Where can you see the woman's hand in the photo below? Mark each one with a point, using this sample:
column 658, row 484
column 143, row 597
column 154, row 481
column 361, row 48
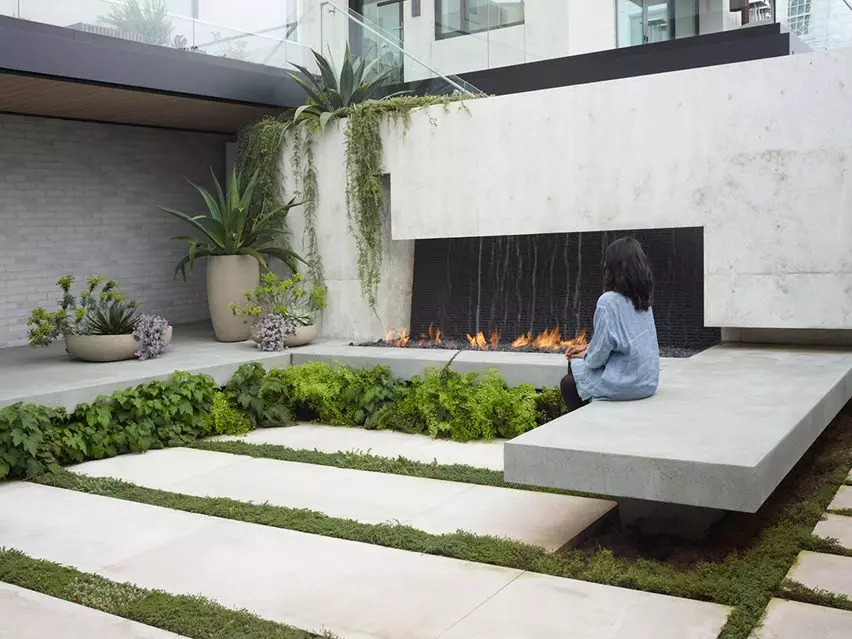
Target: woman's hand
column 576, row 351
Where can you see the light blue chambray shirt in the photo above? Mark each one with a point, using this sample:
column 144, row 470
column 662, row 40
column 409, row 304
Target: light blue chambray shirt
column 622, row 361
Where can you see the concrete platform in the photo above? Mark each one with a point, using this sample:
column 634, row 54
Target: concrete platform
column 25, row 614
column 355, row 590
column 823, row 572
column 380, row 443
column 835, row 527
column 794, row 620
column 47, row 376
column 724, row 429
column 439, row 507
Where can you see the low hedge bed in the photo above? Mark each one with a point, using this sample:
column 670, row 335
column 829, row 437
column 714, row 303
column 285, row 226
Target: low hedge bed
column 185, row 408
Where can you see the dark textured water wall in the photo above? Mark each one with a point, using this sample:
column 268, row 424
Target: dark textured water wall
column 522, row 283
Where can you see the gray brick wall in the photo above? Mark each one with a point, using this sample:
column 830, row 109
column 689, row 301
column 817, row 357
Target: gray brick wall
column 78, row 197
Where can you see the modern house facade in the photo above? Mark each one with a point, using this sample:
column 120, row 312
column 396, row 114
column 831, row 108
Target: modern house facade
column 708, row 132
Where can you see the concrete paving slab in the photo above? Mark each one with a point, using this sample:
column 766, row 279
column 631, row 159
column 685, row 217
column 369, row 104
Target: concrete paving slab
column 25, row 614
column 356, row 590
column 823, row 572
column 723, row 430
column 438, row 507
column 542, row 519
column 794, row 620
column 95, row 532
column 535, row 606
column 842, row 500
column 47, row 376
column 836, row 527
column 381, row 443
column 159, row 468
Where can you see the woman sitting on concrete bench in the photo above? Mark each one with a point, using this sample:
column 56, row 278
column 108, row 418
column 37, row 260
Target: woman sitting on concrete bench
column 622, row 362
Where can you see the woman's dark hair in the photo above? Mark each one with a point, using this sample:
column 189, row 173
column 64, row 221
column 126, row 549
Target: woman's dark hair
column 626, row 271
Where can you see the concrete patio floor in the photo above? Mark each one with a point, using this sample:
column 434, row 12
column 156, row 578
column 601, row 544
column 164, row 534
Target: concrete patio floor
column 48, row 376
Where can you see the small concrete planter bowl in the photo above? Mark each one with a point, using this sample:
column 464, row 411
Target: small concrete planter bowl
column 101, row 348
column 303, row 335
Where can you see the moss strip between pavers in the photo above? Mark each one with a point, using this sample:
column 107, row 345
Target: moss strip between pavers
column 189, row 616
column 745, row 574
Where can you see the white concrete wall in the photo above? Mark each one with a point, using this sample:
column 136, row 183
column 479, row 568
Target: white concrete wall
column 81, row 198
column 348, row 315
column 758, row 153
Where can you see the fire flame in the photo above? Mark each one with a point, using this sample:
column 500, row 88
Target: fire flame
column 548, row 340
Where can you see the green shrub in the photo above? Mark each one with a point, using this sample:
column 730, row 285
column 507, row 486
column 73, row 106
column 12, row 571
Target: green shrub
column 226, row 419
column 259, row 396
column 25, row 439
column 549, row 405
column 172, row 412
column 462, row 406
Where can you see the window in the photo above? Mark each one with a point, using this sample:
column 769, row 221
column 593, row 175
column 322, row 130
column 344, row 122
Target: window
column 461, row 17
column 799, row 16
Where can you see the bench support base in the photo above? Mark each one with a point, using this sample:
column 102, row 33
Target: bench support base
column 674, row 520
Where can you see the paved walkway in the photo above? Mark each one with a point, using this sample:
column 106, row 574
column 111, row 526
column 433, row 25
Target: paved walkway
column 381, row 443
column 25, row 614
column 542, row 519
column 356, row 590
column 821, row 571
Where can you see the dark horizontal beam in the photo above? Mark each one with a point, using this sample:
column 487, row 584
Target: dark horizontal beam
column 33, row 48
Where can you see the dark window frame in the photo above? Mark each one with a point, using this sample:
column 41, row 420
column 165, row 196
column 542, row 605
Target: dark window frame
column 466, row 30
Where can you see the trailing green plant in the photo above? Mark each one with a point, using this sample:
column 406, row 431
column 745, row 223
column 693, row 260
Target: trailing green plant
column 232, row 229
column 226, row 419
column 149, row 19
column 173, row 412
column 331, row 95
column 94, row 312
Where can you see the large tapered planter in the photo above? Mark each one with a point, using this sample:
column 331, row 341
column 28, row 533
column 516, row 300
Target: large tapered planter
column 101, row 348
column 229, row 277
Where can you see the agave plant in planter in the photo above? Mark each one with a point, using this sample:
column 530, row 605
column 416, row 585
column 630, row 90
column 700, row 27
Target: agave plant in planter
column 97, row 326
column 237, row 245
column 283, row 312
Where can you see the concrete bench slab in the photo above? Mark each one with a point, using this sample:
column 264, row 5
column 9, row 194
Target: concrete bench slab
column 723, row 430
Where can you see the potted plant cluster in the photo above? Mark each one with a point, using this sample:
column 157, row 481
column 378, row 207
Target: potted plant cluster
column 237, row 244
column 99, row 325
column 282, row 312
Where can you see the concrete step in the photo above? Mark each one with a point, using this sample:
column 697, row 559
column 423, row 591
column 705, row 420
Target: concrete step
column 842, row 500
column 359, row 591
column 823, row 572
column 836, row 527
column 794, row 620
column 542, row 519
column 381, row 443
column 25, row 614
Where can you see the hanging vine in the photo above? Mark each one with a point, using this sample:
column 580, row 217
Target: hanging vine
column 260, row 149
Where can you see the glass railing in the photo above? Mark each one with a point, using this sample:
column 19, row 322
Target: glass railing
column 280, row 33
